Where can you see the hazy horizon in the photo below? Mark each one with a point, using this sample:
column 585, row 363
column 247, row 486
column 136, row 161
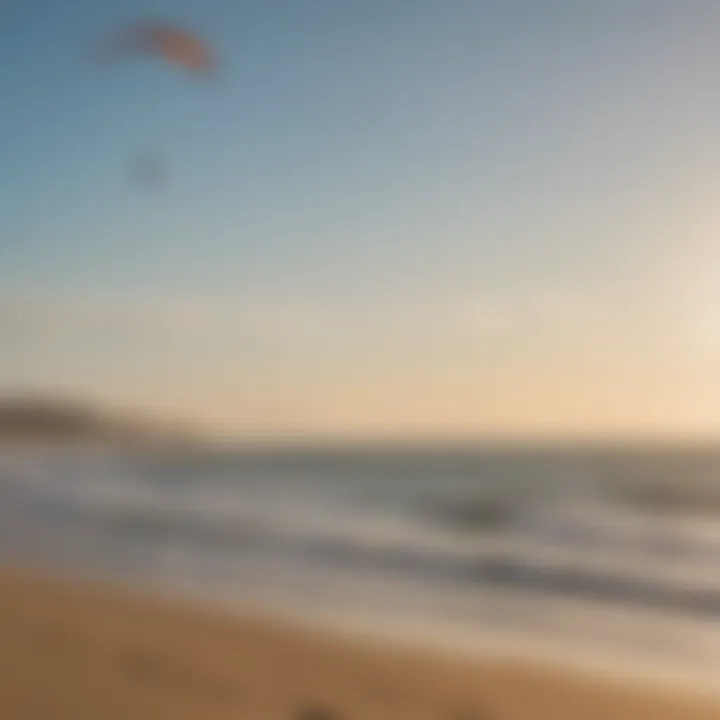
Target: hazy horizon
column 416, row 219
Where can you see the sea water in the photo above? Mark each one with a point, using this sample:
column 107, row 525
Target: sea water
column 604, row 553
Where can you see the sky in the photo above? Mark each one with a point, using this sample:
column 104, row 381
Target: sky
column 412, row 217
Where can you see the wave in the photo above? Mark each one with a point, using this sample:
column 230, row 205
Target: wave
column 513, row 526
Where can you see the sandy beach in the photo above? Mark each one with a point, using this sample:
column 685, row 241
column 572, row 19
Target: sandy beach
column 81, row 652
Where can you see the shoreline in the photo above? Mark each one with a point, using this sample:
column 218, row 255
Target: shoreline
column 67, row 639
column 482, row 640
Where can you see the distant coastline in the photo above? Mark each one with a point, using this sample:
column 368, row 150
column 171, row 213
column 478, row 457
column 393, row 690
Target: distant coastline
column 47, row 420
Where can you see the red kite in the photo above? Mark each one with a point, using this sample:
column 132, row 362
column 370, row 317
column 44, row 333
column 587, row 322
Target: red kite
column 177, row 46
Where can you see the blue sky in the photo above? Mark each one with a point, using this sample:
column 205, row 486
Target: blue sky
column 453, row 216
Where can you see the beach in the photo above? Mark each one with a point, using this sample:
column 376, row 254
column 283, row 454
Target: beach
column 358, row 361
column 83, row 651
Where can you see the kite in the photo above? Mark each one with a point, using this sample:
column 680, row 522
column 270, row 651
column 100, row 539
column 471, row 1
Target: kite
column 171, row 43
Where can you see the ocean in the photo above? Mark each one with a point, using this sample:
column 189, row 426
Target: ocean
column 608, row 554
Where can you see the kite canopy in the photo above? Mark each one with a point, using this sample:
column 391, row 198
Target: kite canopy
column 173, row 44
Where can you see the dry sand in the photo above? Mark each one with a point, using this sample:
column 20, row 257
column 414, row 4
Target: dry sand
column 72, row 652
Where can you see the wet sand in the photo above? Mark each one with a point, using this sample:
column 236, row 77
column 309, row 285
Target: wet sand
column 78, row 652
